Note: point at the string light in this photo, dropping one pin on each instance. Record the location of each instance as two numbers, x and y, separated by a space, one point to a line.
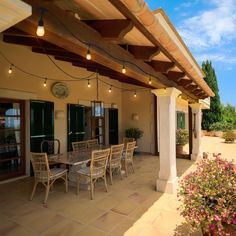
150 80
123 69
10 69
88 55
135 94
89 85
99 47
40 29
45 83
109 89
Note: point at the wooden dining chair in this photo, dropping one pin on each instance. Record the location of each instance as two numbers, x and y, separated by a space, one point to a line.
92 143
114 162
126 140
50 146
127 158
80 146
43 174
96 170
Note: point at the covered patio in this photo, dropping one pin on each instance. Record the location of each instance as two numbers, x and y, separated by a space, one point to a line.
116 53
111 213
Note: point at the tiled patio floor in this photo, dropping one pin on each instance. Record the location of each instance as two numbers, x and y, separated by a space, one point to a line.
110 213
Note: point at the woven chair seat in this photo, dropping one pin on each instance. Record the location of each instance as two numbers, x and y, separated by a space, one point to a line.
96 170
55 172
86 171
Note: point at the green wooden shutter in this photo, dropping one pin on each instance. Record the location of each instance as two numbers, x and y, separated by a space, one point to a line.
180 120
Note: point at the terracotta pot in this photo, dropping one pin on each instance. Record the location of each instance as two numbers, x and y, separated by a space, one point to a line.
179 149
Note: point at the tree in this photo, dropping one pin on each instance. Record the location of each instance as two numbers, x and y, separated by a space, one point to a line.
229 114
214 114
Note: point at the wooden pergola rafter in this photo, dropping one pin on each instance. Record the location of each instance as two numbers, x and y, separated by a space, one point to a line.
105 38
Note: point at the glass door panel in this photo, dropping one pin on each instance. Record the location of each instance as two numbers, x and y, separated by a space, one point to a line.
12 143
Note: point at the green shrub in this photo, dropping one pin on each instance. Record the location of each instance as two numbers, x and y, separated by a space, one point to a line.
229 136
135 133
221 126
181 137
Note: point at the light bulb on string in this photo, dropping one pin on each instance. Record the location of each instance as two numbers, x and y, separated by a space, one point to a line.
123 69
135 94
89 85
40 29
45 83
10 69
88 55
150 80
109 89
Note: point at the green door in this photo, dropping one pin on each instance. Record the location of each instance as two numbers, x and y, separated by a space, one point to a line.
75 124
113 126
41 123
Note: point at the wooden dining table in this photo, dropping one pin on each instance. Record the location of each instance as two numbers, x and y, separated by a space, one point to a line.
75 160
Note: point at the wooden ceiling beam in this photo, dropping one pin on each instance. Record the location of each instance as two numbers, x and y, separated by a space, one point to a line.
191 87
184 82
197 91
203 96
161 66
175 76
28 41
69 59
144 53
116 76
16 32
60 53
114 30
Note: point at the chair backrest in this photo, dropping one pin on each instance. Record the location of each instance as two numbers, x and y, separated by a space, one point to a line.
116 154
40 166
79 146
92 143
129 150
99 162
126 140
50 146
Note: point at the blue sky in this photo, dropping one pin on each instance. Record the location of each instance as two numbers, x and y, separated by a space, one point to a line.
208 27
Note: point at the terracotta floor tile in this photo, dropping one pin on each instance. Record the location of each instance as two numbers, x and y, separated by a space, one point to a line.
122 227
125 207
108 221
65 227
39 221
91 231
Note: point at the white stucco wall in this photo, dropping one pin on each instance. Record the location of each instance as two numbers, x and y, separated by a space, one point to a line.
21 86
143 107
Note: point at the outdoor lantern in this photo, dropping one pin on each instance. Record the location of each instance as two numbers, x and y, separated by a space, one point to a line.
97 108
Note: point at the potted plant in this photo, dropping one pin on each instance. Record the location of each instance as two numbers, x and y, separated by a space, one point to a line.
135 133
181 140
208 197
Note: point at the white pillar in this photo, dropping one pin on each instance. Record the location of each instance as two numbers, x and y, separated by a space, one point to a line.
197 135
166 109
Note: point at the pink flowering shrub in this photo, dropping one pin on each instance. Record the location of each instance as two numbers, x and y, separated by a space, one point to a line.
208 196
